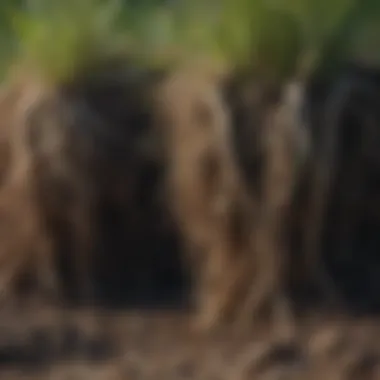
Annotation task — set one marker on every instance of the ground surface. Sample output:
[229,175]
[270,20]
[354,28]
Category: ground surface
[48,343]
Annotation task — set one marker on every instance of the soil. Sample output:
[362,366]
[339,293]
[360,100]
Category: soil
[46,342]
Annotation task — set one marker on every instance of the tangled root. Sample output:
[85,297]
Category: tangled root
[205,194]
[282,148]
[344,154]
[26,246]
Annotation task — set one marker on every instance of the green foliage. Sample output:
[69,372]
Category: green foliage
[59,39]
[229,33]
[7,40]
[336,30]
